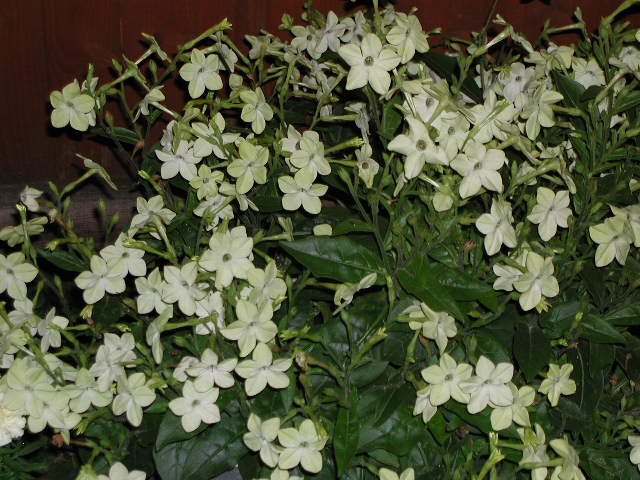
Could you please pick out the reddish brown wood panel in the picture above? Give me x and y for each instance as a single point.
(47, 43)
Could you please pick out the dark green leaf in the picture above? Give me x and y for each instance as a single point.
(623, 315)
(623, 103)
(531, 348)
(598, 329)
(64, 260)
(267, 197)
(446, 66)
(107, 311)
(437, 426)
(558, 321)
(215, 450)
(569, 88)
(365, 374)
(391, 117)
(171, 431)
(604, 463)
(346, 434)
(125, 135)
(340, 258)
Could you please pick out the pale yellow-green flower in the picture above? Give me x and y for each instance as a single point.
(195, 407)
(558, 382)
(261, 436)
(302, 447)
(262, 370)
(71, 106)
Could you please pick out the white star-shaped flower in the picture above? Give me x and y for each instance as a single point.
(252, 325)
(445, 380)
(195, 407)
(479, 168)
(302, 447)
(497, 227)
(262, 370)
(261, 437)
(558, 382)
(550, 212)
(489, 385)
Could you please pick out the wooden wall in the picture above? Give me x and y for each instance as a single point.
(47, 43)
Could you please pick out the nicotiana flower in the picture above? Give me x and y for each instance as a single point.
(15, 235)
(29, 196)
(85, 392)
(256, 109)
(261, 436)
(479, 168)
(211, 138)
(587, 72)
(148, 211)
(48, 330)
(386, 474)
(631, 215)
(265, 285)
(634, 455)
(119, 472)
(628, 57)
(211, 307)
(100, 279)
(262, 370)
(490, 384)
(497, 228)
(503, 416)
(370, 63)
(367, 166)
(131, 258)
(537, 281)
(133, 394)
(614, 238)
(71, 106)
(557, 382)
(181, 286)
(154, 330)
(253, 325)
(201, 72)
(300, 190)
(55, 413)
(515, 80)
(302, 446)
(111, 358)
(538, 111)
(229, 255)
(345, 292)
(418, 148)
(445, 380)
(407, 36)
(249, 167)
(535, 450)
(182, 161)
(490, 118)
(551, 211)
(507, 276)
(424, 406)
(214, 209)
(309, 154)
(206, 182)
(11, 424)
(15, 273)
(195, 407)
(438, 326)
(453, 129)
(209, 372)
(150, 293)
(154, 96)
(569, 470)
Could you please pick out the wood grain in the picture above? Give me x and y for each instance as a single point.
(47, 43)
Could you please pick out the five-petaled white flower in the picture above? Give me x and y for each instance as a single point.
(445, 380)
(100, 279)
(479, 168)
(181, 286)
(489, 385)
(253, 325)
(119, 472)
(182, 161)
(209, 372)
(201, 72)
(370, 63)
(71, 106)
(302, 447)
(256, 109)
(407, 36)
(261, 437)
(438, 326)
(497, 228)
(614, 238)
(503, 416)
(558, 382)
(262, 370)
(537, 281)
(418, 148)
(48, 330)
(195, 407)
(15, 273)
(386, 474)
(300, 190)
(309, 154)
(229, 255)
(133, 394)
(550, 212)
(249, 167)
(634, 455)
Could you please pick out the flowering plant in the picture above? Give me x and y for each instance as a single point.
(354, 255)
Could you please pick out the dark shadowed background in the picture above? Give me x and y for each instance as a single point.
(48, 43)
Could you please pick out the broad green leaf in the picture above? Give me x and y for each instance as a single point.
(531, 348)
(417, 279)
(171, 431)
(367, 373)
(558, 321)
(215, 450)
(491, 347)
(391, 117)
(64, 260)
(346, 433)
(437, 426)
(606, 464)
(340, 258)
(107, 311)
(351, 225)
(125, 135)
(384, 457)
(267, 197)
(625, 102)
(397, 434)
(624, 315)
(598, 329)
(569, 88)
(446, 66)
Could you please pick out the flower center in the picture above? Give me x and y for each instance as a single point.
(421, 145)
(518, 78)
(365, 165)
(226, 257)
(451, 131)
(448, 377)
(428, 102)
(477, 166)
(368, 61)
